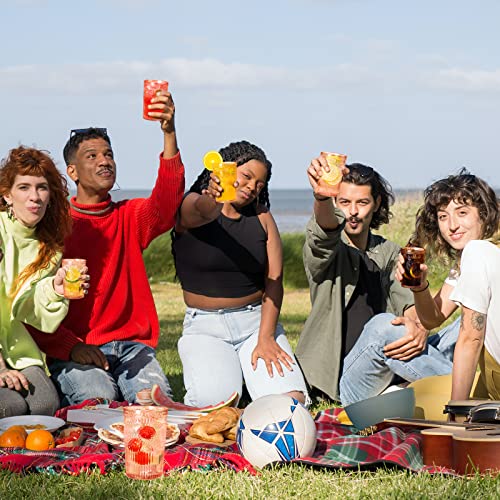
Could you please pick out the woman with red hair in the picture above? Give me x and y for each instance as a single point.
(34, 221)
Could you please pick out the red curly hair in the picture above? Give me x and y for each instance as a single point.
(55, 225)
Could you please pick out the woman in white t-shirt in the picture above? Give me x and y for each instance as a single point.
(457, 210)
(478, 292)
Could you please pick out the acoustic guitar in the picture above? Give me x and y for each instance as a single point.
(466, 448)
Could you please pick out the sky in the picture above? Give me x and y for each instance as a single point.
(410, 88)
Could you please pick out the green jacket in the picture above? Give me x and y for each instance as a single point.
(36, 303)
(332, 268)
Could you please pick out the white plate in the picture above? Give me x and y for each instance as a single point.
(105, 423)
(49, 423)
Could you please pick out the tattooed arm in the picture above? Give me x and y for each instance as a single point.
(467, 351)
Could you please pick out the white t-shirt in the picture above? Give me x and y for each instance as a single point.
(478, 288)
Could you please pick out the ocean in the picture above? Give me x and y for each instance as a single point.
(291, 208)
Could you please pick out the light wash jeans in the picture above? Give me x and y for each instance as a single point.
(132, 366)
(368, 371)
(216, 351)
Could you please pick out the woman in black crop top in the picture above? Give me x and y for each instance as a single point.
(228, 257)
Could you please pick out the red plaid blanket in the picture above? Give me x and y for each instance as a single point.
(337, 446)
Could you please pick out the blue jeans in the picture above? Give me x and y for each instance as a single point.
(368, 371)
(132, 367)
(216, 351)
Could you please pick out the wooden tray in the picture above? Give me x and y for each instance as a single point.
(193, 440)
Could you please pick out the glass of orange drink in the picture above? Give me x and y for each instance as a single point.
(226, 172)
(336, 162)
(72, 281)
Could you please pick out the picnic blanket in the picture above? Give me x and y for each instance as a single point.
(338, 446)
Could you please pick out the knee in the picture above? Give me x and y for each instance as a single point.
(380, 330)
(12, 404)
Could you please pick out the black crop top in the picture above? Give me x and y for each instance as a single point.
(224, 258)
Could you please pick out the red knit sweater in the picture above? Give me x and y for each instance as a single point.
(119, 304)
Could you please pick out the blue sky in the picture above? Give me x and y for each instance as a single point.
(411, 88)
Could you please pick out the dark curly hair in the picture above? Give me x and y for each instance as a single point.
(55, 225)
(240, 152)
(363, 175)
(463, 188)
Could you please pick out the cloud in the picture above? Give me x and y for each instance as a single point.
(77, 79)
(465, 80)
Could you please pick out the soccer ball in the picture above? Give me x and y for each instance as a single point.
(275, 428)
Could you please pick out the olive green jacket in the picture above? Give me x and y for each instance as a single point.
(332, 268)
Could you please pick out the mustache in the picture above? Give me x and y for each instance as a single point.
(353, 219)
(106, 169)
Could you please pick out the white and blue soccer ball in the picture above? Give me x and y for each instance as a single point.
(275, 428)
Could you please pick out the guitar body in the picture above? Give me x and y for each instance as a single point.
(476, 452)
(465, 448)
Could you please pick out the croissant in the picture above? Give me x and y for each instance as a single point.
(212, 426)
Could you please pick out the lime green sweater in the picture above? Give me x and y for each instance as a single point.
(36, 303)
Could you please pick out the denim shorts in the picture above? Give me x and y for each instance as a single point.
(216, 351)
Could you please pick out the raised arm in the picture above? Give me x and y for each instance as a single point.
(156, 214)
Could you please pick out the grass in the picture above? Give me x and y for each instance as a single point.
(282, 482)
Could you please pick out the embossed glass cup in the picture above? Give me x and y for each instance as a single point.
(145, 434)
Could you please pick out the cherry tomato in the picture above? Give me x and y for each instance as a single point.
(135, 444)
(147, 432)
(141, 458)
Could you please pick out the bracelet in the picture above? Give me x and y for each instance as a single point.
(321, 198)
(423, 289)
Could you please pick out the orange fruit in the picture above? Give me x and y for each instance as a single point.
(40, 440)
(12, 438)
(212, 159)
(19, 428)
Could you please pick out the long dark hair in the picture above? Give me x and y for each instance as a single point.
(463, 188)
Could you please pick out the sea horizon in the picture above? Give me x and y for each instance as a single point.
(291, 208)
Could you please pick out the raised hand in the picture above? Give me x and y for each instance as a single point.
(162, 108)
(315, 171)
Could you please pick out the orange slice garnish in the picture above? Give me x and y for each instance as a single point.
(335, 162)
(212, 159)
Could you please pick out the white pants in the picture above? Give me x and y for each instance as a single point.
(216, 351)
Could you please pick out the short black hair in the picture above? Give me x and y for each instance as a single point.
(79, 136)
(363, 175)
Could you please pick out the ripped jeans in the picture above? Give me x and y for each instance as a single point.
(132, 366)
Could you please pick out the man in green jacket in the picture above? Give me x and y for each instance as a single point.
(351, 279)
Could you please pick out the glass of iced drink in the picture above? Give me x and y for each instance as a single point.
(226, 172)
(328, 180)
(72, 283)
(151, 87)
(145, 435)
(414, 256)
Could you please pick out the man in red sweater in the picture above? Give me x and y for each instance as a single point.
(106, 345)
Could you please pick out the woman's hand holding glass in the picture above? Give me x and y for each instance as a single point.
(58, 282)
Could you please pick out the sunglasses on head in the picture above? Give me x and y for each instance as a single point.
(362, 170)
(78, 131)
